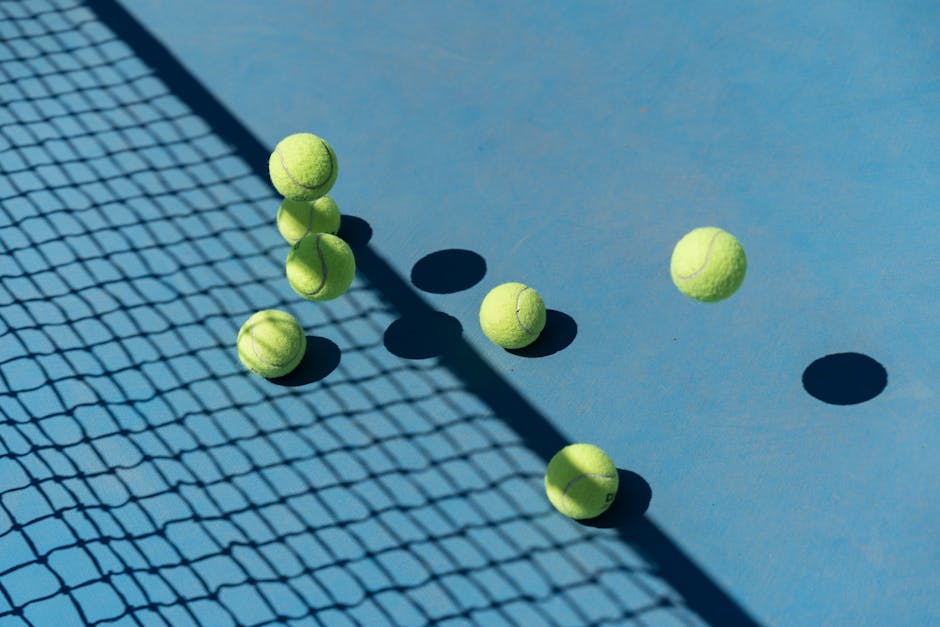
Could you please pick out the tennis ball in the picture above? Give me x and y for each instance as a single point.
(708, 264)
(512, 315)
(271, 343)
(303, 167)
(581, 481)
(297, 218)
(320, 267)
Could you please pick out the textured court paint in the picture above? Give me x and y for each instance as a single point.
(570, 147)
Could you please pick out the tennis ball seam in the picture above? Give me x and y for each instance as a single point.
(574, 480)
(280, 156)
(254, 348)
(708, 254)
(519, 308)
(309, 228)
(307, 231)
(313, 213)
(323, 265)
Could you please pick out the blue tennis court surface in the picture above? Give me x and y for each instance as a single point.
(777, 451)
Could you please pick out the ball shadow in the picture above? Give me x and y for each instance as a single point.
(423, 335)
(448, 271)
(845, 379)
(633, 499)
(354, 231)
(320, 359)
(559, 332)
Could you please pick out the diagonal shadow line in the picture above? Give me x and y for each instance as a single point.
(701, 595)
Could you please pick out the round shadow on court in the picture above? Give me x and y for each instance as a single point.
(422, 336)
(320, 359)
(448, 271)
(354, 231)
(633, 499)
(845, 379)
(559, 332)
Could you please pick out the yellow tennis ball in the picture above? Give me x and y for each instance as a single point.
(297, 218)
(303, 167)
(708, 264)
(320, 267)
(271, 343)
(512, 315)
(581, 481)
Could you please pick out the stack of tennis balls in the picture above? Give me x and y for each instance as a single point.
(319, 266)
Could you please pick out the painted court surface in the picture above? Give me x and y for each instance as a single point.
(777, 450)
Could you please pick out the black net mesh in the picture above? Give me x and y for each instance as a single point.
(147, 479)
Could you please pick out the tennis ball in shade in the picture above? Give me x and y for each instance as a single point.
(581, 481)
(298, 218)
(708, 264)
(303, 167)
(512, 315)
(320, 267)
(271, 343)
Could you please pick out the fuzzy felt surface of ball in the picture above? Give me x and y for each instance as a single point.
(299, 218)
(271, 343)
(512, 315)
(320, 267)
(581, 481)
(303, 166)
(708, 264)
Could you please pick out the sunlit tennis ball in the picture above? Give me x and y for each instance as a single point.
(708, 264)
(303, 167)
(581, 481)
(512, 315)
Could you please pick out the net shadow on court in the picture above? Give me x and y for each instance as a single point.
(147, 479)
